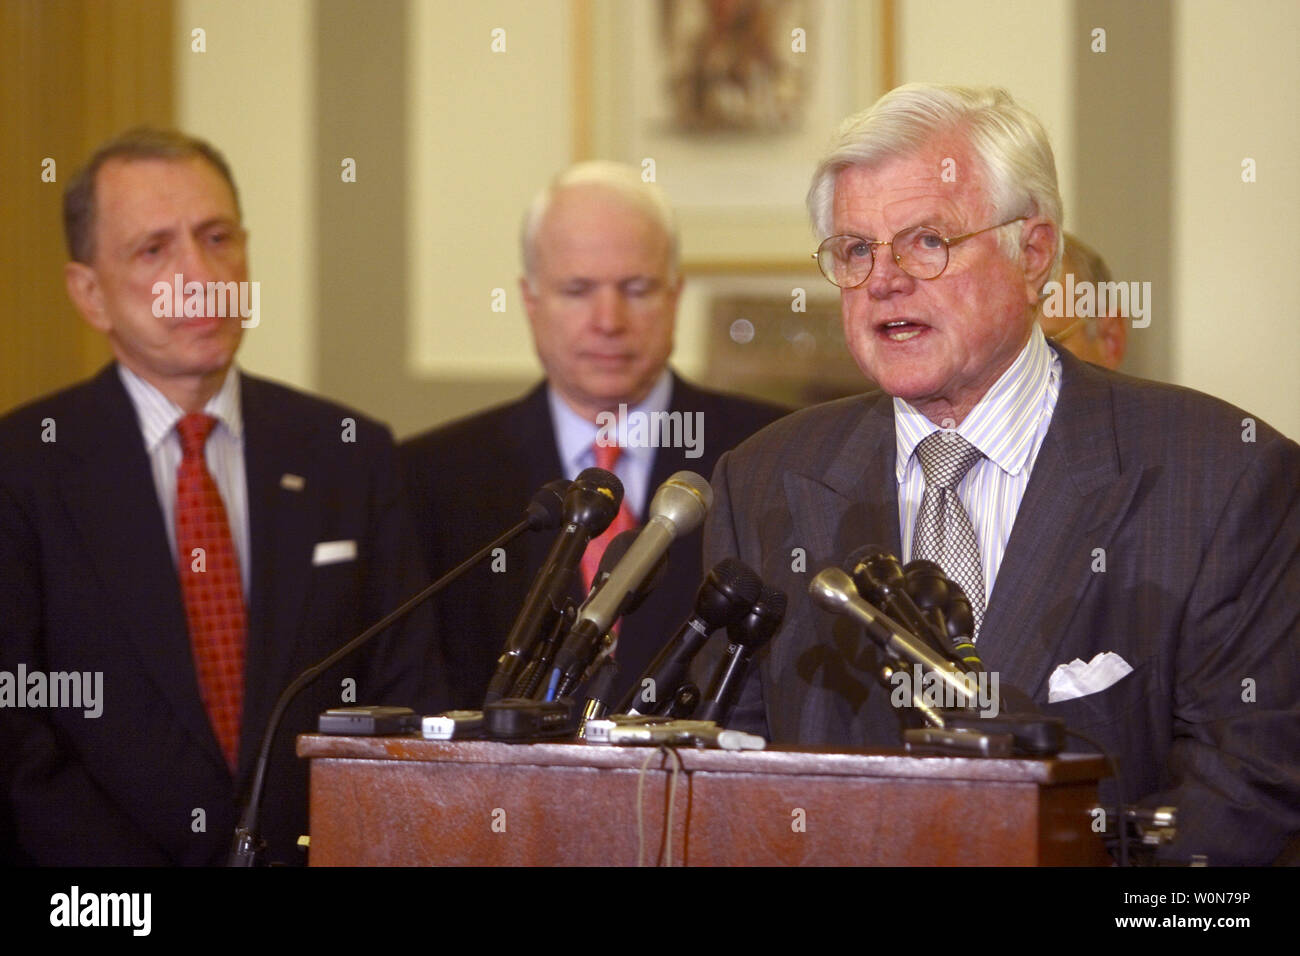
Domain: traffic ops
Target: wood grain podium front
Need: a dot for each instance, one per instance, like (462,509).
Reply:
(406,801)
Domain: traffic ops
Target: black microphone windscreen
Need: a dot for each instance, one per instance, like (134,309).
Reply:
(546,509)
(593,500)
(728,591)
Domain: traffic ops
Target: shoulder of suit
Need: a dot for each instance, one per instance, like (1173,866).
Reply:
(24,426)
(1151,416)
(282,402)
(814,426)
(734,411)
(470,435)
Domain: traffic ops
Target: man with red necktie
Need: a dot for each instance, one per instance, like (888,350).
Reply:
(600,287)
(196,536)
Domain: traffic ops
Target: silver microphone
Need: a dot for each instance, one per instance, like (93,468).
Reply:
(678,508)
(835,591)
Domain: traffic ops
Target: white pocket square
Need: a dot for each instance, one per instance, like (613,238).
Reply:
(332,552)
(1077,679)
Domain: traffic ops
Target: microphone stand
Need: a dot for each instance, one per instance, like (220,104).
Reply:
(247,845)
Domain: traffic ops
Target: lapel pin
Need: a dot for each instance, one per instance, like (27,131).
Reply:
(292,482)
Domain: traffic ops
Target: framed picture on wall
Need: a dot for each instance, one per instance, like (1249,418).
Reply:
(727,104)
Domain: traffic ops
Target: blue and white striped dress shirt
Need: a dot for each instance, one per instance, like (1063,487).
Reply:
(224,454)
(1008,425)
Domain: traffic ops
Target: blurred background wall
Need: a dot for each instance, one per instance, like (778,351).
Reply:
(383,292)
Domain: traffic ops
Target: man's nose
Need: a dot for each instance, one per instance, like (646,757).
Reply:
(609,310)
(197,262)
(887,276)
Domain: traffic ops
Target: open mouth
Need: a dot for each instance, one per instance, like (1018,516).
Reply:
(900,330)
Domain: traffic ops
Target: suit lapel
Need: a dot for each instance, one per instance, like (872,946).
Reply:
(1072,506)
(668,461)
(532,453)
(281,524)
(854,501)
(111,497)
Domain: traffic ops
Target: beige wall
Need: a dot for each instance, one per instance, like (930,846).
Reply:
(1023,45)
(1237,244)
(250,93)
(485,130)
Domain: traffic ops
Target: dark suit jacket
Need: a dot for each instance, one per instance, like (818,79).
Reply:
(87,583)
(1200,535)
(470,480)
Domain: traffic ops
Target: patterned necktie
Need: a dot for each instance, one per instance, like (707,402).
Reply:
(944,533)
(210,586)
(606,457)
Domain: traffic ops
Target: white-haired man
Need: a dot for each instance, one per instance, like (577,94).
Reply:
(1082,511)
(600,287)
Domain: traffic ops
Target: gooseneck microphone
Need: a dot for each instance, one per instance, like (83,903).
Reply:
(880,581)
(539,660)
(544,511)
(727,594)
(590,505)
(744,637)
(945,606)
(677,508)
(836,592)
(945,603)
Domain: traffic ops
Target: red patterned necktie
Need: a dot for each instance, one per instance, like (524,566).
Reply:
(210,586)
(606,457)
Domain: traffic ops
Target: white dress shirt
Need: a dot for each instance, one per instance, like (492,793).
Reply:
(224,453)
(1008,425)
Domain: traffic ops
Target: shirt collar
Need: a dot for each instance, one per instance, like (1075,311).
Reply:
(158,414)
(576,436)
(1003,423)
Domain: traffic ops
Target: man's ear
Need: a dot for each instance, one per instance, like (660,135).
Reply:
(1037,250)
(527,296)
(675,291)
(82,282)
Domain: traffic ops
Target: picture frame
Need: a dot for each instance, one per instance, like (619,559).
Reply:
(738,191)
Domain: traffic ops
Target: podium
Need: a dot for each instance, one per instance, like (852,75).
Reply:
(406,801)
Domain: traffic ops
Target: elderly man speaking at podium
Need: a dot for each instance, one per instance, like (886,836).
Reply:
(1148,531)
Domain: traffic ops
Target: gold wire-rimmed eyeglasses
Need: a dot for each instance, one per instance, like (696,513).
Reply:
(920,251)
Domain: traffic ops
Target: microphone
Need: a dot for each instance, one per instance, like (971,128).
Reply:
(946,607)
(544,650)
(943,599)
(544,512)
(677,508)
(835,591)
(590,506)
(600,669)
(728,593)
(744,638)
(880,581)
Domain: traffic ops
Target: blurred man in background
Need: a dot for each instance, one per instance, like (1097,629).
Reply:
(179,540)
(601,284)
(1099,338)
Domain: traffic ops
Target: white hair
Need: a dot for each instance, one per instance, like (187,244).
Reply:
(619,178)
(1008,142)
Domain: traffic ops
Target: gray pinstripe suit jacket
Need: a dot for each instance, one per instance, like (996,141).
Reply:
(1200,594)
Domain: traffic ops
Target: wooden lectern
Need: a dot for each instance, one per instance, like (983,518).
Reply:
(406,801)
